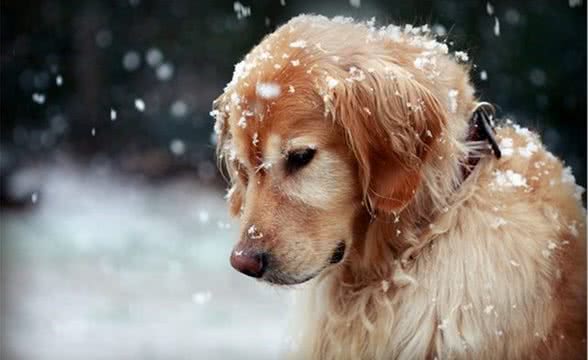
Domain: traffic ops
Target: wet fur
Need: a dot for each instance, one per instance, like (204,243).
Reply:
(436,267)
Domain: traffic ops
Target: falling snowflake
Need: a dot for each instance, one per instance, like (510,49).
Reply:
(241,10)
(112,114)
(496,27)
(201,298)
(140,104)
(177,147)
(483,75)
(59,80)
(39,98)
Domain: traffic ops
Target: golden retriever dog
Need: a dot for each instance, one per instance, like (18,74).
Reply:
(351,161)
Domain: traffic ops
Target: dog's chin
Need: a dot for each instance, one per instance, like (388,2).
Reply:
(280,278)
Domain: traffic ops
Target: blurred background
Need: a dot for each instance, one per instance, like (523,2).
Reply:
(114,233)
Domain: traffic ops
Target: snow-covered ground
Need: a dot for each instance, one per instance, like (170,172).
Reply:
(108,267)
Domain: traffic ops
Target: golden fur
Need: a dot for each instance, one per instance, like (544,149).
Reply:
(490,267)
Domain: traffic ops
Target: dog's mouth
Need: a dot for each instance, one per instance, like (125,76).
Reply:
(280,278)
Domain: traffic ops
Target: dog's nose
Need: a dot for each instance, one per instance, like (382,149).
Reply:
(250,264)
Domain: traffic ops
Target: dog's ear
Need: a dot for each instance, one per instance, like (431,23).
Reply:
(225,156)
(391,122)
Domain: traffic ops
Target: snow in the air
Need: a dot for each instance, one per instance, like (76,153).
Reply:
(112,114)
(203,216)
(39,98)
(201,298)
(140,104)
(59,80)
(164,71)
(267,90)
(131,60)
(483,75)
(153,57)
(496,27)
(355,3)
(34,197)
(179,108)
(575,3)
(177,147)
(489,8)
(241,10)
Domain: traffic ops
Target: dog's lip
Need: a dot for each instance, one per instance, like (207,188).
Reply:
(337,257)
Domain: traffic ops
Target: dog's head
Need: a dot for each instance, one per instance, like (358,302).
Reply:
(324,122)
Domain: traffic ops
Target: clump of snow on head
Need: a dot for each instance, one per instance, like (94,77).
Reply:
(299,44)
(508,179)
(267,90)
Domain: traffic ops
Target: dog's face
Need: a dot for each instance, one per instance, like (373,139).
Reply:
(314,137)
(294,183)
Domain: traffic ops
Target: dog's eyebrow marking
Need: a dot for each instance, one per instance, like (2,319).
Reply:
(301,143)
(272,152)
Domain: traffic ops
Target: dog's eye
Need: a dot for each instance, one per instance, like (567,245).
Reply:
(298,159)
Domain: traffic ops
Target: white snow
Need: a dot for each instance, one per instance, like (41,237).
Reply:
(93,131)
(39,98)
(59,80)
(483,75)
(112,114)
(34,197)
(489,8)
(139,104)
(506,146)
(331,82)
(179,108)
(461,56)
(241,10)
(267,90)
(131,60)
(488,309)
(529,149)
(575,3)
(452,94)
(254,233)
(355,3)
(295,62)
(177,147)
(153,57)
(165,71)
(109,267)
(508,179)
(201,298)
(496,27)
(299,44)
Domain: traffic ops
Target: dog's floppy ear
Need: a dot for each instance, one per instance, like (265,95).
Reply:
(391,121)
(225,154)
